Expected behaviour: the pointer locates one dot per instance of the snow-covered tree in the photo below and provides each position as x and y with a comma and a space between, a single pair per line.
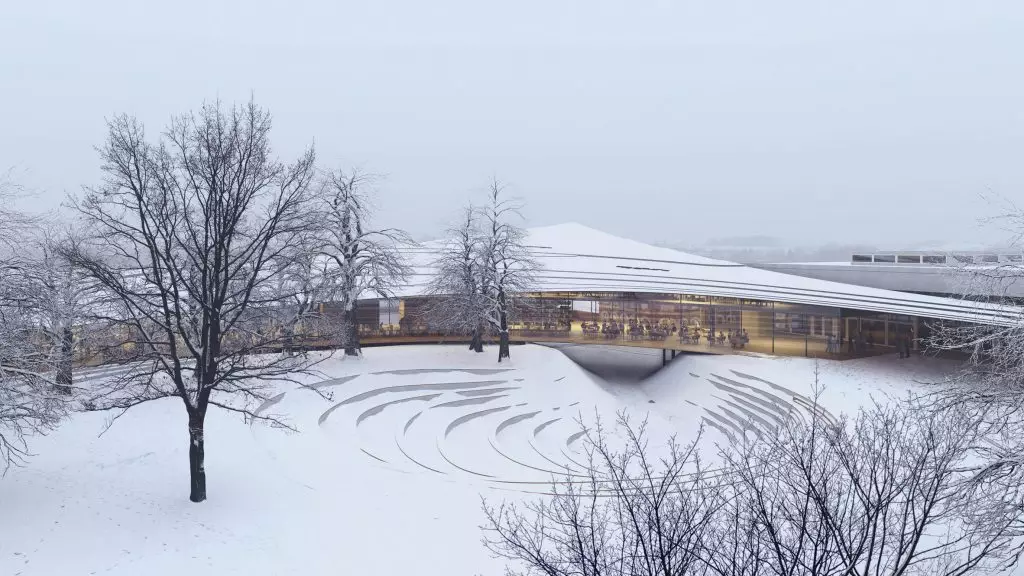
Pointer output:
507, 269
60, 295
183, 238
306, 280
29, 402
364, 260
992, 382
482, 268
457, 303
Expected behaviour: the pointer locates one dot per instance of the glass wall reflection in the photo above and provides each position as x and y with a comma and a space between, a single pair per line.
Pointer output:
684, 322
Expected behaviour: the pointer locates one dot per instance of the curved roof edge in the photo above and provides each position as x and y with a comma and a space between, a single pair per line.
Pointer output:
574, 258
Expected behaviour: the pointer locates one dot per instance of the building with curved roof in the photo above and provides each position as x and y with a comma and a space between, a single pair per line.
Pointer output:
599, 288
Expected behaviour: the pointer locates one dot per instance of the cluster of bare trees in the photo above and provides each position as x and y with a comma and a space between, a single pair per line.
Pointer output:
202, 259
881, 494
482, 264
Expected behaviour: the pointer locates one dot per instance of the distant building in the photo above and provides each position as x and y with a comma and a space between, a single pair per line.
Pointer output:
937, 273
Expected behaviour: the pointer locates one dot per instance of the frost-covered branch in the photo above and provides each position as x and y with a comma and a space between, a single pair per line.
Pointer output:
29, 401
458, 304
992, 381
482, 270
507, 269
362, 260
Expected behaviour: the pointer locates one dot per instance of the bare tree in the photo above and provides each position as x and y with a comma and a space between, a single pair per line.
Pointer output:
13, 222
992, 380
184, 238
29, 403
366, 260
482, 270
507, 269
633, 512
458, 304
306, 280
60, 295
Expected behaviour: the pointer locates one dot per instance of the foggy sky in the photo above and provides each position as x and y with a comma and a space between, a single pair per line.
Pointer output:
872, 121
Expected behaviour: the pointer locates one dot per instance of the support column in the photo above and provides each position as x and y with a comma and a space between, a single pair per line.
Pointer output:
664, 357
885, 339
916, 336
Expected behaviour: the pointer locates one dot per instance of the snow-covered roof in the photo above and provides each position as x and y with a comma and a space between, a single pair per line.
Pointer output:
574, 257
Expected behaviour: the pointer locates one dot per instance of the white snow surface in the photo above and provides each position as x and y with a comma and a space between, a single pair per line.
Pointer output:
387, 476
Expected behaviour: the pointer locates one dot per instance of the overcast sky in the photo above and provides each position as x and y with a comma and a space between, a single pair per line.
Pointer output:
815, 121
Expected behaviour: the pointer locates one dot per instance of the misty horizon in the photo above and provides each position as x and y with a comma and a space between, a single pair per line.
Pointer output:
670, 124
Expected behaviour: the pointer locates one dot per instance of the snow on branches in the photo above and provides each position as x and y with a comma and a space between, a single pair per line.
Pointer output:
361, 260
992, 383
483, 267
30, 403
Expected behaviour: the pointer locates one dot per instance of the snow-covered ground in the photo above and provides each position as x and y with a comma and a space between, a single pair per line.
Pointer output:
384, 478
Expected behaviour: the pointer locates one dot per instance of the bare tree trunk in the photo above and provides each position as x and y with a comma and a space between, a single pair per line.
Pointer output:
503, 351
196, 456
503, 346
64, 365
288, 344
352, 332
477, 342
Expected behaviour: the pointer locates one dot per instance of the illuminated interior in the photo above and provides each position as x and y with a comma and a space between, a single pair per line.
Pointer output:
680, 322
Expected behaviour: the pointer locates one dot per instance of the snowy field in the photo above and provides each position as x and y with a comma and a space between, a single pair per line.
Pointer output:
387, 476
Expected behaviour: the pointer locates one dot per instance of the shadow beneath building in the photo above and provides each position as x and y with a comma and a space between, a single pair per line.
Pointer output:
614, 364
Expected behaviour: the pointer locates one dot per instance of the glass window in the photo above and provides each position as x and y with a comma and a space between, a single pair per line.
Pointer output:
908, 259
861, 258
885, 258
934, 259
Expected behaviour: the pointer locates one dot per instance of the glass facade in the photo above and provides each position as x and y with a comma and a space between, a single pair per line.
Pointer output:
683, 322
